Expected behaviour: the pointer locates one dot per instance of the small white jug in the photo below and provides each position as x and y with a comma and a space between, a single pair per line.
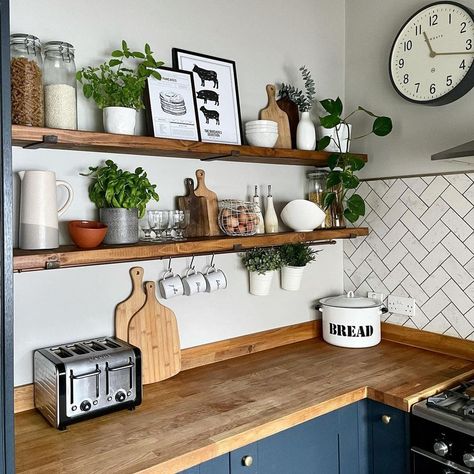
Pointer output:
38, 209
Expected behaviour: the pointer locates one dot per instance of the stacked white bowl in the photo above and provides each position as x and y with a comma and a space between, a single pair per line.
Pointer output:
261, 133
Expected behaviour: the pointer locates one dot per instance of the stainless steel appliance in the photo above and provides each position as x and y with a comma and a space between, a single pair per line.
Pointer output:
86, 379
442, 432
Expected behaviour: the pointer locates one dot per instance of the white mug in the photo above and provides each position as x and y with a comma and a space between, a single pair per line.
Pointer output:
170, 285
215, 279
193, 282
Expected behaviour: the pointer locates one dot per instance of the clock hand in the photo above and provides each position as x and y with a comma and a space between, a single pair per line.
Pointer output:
456, 52
432, 52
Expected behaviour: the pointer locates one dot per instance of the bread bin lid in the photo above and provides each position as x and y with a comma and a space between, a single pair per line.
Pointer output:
350, 301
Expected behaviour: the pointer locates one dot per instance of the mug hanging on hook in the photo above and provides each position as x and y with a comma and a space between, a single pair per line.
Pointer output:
170, 284
193, 281
215, 278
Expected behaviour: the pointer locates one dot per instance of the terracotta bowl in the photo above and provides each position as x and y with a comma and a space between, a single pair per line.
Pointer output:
87, 234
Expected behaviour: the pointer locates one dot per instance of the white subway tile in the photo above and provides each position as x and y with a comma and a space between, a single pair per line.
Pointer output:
459, 181
379, 186
417, 228
457, 225
376, 204
435, 258
394, 193
415, 291
457, 320
458, 297
414, 203
435, 235
414, 268
395, 256
394, 235
413, 245
457, 201
434, 213
417, 185
376, 224
377, 245
360, 273
435, 304
377, 265
439, 325
395, 277
394, 214
457, 272
435, 281
457, 249
434, 190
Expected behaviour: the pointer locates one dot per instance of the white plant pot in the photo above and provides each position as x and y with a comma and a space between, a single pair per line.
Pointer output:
260, 284
120, 120
291, 278
305, 133
344, 133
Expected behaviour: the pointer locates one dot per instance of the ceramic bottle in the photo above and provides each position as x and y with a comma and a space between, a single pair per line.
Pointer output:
271, 219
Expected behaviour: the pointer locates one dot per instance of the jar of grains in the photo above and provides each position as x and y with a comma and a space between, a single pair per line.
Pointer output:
316, 189
60, 85
26, 66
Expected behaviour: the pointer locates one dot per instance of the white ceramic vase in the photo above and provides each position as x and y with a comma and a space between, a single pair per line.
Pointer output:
342, 133
260, 284
120, 120
305, 133
291, 278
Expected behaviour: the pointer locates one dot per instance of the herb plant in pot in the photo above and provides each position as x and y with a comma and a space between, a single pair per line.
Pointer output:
261, 264
294, 258
121, 197
117, 89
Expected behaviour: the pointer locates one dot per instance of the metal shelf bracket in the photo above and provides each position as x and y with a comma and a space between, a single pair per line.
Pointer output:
232, 154
47, 141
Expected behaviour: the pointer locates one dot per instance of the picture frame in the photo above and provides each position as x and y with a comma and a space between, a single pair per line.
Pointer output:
171, 107
217, 95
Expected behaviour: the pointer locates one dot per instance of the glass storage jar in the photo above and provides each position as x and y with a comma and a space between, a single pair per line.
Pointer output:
316, 188
60, 100
26, 69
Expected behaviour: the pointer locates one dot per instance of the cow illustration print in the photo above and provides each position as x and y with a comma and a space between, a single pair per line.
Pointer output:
210, 114
206, 75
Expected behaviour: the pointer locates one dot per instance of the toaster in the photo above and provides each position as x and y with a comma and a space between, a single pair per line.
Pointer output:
85, 379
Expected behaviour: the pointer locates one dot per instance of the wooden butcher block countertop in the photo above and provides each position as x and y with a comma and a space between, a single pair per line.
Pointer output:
207, 411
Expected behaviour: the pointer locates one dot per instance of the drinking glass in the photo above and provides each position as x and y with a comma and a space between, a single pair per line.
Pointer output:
183, 222
167, 235
146, 229
158, 222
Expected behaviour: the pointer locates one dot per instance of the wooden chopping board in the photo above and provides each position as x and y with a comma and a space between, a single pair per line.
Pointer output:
197, 207
125, 310
211, 202
273, 112
155, 331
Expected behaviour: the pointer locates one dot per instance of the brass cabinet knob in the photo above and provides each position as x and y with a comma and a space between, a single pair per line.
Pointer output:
386, 419
247, 461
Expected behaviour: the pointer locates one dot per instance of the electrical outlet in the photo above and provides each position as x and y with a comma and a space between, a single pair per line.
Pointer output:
376, 296
401, 305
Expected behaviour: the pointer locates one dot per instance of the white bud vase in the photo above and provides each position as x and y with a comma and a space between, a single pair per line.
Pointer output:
305, 133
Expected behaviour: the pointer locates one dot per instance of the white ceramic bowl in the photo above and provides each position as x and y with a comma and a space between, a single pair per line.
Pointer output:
262, 129
264, 139
261, 123
302, 215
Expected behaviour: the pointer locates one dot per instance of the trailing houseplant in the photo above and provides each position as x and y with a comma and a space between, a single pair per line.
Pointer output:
294, 258
121, 197
118, 89
261, 264
342, 180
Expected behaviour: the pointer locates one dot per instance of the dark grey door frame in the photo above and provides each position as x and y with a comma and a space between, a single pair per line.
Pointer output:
7, 434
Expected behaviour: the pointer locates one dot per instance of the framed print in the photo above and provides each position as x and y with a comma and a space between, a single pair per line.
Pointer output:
171, 105
217, 95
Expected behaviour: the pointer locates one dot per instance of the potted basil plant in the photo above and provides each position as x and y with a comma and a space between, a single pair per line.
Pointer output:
117, 89
121, 197
261, 264
294, 258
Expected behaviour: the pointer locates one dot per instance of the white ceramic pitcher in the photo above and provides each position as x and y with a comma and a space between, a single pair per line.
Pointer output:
39, 209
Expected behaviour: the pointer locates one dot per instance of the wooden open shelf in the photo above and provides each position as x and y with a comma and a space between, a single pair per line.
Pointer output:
33, 137
71, 256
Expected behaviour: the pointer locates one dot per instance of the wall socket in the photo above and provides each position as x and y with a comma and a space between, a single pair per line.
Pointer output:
401, 305
375, 296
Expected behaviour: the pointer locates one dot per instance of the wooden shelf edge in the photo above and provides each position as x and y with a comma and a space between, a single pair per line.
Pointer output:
70, 256
34, 137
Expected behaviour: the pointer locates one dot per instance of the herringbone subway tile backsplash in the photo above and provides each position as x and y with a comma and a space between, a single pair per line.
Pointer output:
420, 245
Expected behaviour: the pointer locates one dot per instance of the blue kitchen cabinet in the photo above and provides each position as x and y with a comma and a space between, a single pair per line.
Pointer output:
219, 465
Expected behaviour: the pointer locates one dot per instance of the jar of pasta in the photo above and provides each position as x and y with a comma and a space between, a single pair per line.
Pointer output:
26, 69
316, 188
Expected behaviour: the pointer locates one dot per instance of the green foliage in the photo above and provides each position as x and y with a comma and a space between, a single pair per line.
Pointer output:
297, 255
341, 178
113, 187
111, 84
261, 260
304, 100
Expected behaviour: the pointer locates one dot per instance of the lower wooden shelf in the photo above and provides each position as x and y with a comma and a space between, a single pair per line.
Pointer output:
71, 256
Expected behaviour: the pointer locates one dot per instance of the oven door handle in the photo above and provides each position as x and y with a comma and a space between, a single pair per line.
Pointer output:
84, 376
439, 460
115, 369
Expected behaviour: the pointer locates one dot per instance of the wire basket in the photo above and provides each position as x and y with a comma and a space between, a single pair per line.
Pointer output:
238, 218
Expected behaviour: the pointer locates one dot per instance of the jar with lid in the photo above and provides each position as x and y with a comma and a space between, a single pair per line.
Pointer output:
60, 100
316, 189
26, 69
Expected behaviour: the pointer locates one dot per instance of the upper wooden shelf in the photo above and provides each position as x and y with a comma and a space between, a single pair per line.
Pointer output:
33, 137
71, 256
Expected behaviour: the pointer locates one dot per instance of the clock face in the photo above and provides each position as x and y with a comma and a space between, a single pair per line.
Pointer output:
431, 57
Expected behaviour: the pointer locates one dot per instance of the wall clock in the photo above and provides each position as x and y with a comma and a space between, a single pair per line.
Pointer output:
432, 56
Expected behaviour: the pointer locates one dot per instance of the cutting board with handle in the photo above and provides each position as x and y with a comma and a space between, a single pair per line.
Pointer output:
211, 202
197, 207
273, 112
125, 310
155, 331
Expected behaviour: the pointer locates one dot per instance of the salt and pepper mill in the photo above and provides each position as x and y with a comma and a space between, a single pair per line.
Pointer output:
260, 227
271, 219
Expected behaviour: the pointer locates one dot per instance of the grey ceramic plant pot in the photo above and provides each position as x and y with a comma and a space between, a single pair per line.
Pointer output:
122, 223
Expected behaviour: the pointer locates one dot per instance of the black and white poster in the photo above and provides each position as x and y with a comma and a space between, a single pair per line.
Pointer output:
171, 107
217, 95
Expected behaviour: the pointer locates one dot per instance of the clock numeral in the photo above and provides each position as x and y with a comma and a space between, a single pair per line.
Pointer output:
433, 89
462, 65
449, 80
417, 85
463, 27
433, 19
401, 63
468, 44
449, 18
407, 45
418, 30
406, 79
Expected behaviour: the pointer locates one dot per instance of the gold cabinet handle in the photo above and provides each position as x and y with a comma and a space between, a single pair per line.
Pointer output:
386, 419
247, 461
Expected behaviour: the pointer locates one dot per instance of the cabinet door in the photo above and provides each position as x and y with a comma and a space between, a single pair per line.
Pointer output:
245, 460
219, 465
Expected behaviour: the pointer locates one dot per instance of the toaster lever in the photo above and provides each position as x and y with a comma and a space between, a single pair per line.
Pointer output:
115, 369
84, 376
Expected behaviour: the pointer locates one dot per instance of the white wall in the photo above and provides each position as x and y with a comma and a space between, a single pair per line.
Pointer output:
65, 305
419, 131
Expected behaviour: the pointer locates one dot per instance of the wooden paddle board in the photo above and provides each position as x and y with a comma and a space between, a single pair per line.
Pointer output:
155, 331
211, 202
197, 207
125, 310
273, 112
